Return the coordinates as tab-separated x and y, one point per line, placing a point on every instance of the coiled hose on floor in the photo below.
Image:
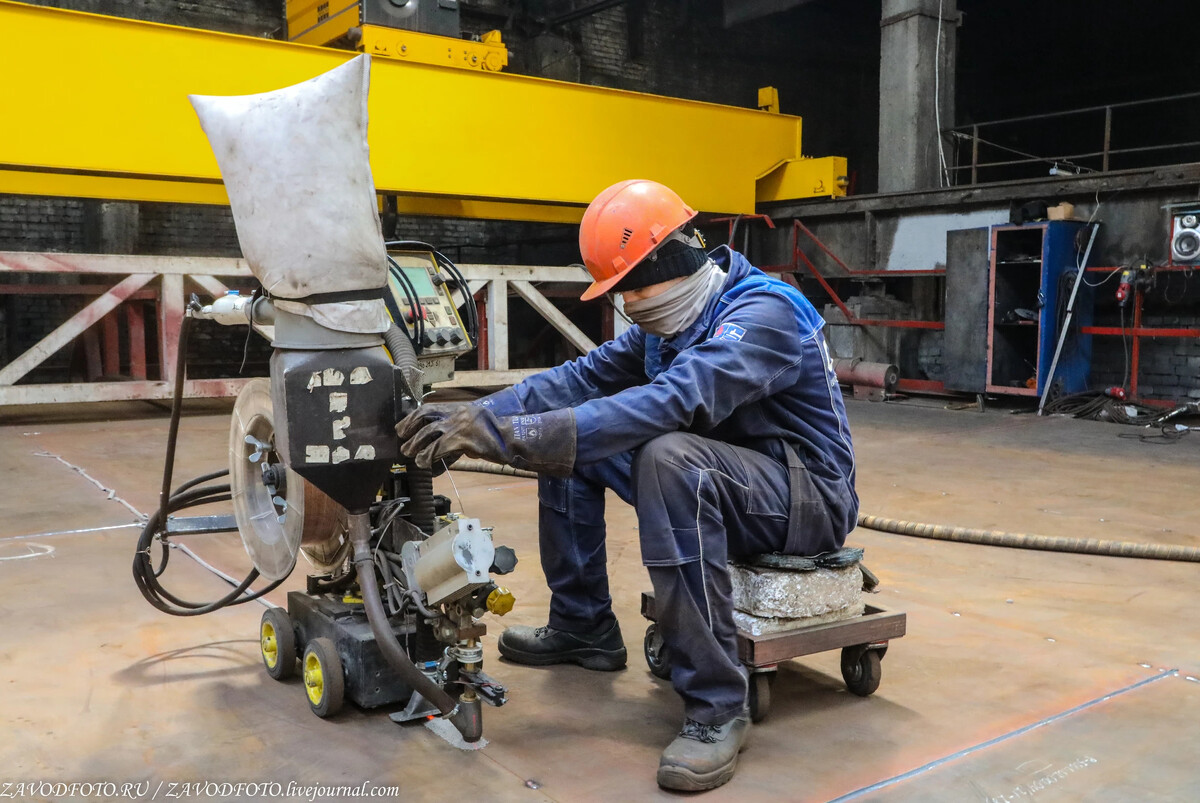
962	535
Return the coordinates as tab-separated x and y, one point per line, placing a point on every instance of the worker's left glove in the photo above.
544	443
427	413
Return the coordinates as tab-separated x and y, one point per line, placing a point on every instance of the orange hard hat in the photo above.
623	225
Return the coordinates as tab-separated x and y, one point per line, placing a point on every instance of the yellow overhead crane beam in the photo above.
96	107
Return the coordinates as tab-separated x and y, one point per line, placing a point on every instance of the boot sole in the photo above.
684	780
590	658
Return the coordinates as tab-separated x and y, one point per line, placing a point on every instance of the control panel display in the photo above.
421	302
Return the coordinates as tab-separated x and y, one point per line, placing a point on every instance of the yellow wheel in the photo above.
323	679
277	643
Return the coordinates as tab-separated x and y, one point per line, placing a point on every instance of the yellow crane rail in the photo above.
97	107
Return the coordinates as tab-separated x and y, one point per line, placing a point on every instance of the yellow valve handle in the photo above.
501	601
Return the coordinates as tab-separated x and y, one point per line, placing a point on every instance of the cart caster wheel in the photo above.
323	679
658	655
277	643
862	670
760	695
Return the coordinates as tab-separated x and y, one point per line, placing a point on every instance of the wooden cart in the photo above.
863	641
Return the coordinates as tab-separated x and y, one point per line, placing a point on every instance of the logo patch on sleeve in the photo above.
729	331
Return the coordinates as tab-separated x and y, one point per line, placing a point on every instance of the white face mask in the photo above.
676	308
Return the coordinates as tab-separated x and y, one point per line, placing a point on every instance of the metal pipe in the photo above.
974	154
393	653
1107	137
867	374
1085	109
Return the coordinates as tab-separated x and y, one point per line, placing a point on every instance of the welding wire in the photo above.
71	532
1086	546
454	485
185	550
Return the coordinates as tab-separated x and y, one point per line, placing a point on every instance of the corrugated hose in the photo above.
1049	543
962	535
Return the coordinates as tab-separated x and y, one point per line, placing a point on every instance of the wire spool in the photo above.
277	520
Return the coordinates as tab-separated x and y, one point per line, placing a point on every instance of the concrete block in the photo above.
794	595
765	625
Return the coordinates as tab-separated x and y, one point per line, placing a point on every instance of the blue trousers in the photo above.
700	503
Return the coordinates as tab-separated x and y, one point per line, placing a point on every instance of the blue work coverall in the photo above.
729	439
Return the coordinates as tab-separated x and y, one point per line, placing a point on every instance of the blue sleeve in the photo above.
759	355
608	369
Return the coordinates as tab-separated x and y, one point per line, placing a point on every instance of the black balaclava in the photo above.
672	260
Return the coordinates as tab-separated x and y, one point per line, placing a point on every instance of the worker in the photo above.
717	416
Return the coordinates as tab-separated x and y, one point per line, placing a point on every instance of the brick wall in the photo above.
248	17
41	224
187	230
1168	368
38	224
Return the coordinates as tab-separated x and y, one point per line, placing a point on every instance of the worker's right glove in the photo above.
544	443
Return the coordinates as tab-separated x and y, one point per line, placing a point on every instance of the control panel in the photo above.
422	300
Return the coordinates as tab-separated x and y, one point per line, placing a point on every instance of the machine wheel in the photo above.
760	695
277	643
323	679
658	655
862	670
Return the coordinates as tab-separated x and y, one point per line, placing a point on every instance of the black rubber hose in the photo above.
185	329
1085	546
389	645
145	576
414	302
420	481
420	495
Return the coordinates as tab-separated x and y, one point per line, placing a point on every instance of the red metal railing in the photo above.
800	258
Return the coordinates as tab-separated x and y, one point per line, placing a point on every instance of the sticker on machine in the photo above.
729	331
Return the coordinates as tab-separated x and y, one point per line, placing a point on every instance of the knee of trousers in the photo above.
667	487
665	461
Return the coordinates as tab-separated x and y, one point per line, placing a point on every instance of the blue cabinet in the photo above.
1032	270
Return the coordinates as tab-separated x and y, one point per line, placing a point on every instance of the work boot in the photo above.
601	649
703	756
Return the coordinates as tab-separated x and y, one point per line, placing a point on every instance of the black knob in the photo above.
455	337
426	340
441	339
505	560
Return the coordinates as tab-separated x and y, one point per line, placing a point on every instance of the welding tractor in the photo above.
361	330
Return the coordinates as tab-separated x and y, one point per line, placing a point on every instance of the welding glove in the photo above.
544	443
427	414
